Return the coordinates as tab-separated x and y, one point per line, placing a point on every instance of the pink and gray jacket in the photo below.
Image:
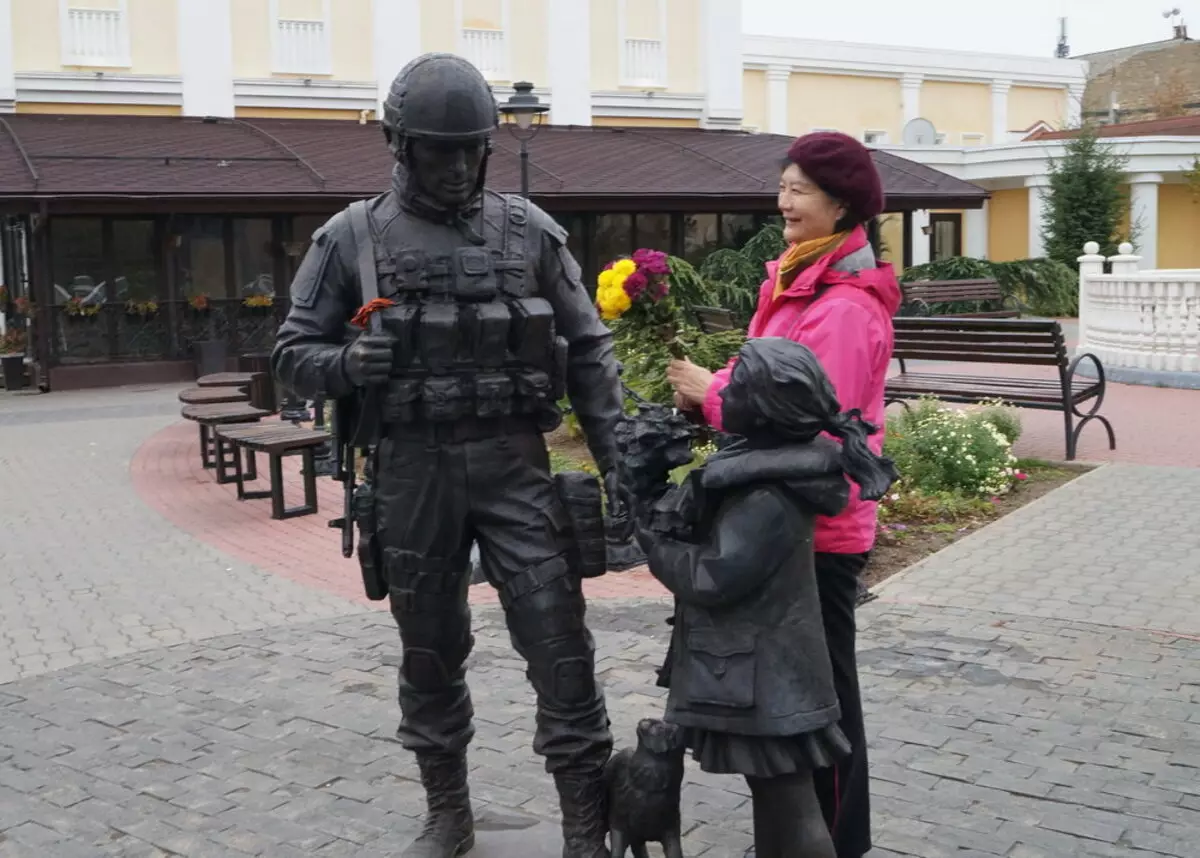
841	307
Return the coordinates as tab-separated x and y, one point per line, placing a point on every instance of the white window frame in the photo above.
974	135
124	60
823	130
506	75
940	138
881	137
663	23
326	37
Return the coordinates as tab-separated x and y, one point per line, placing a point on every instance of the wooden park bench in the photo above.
713	320
258	386
275	440
219	414
998	341
923	297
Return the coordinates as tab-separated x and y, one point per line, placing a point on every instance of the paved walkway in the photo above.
1003	723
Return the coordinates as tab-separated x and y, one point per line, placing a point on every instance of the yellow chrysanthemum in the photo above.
612	302
606	278
625	267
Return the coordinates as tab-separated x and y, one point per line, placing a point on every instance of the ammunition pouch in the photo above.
581	499
370	556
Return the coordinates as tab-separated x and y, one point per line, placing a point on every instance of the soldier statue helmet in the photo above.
475	323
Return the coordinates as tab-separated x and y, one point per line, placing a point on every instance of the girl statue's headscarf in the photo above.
779	392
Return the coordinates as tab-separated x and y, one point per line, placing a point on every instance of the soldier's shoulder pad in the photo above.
334	230
539	219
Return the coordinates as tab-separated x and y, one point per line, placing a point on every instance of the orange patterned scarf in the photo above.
802	254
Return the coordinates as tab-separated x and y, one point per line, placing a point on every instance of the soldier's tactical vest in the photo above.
473	338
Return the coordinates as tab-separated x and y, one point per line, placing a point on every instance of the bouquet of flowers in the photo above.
637	291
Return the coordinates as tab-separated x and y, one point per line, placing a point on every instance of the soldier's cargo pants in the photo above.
433	499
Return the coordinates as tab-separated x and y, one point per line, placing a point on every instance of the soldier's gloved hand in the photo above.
369	360
621	503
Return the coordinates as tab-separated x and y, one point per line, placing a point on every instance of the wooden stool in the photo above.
226	379
212	395
220	414
276	441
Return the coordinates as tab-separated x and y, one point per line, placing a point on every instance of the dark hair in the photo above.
847	221
786	392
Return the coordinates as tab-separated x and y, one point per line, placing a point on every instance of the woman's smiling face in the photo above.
808	212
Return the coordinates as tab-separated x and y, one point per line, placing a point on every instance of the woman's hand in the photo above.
691	382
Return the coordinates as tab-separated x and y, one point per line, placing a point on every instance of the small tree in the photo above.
1084	201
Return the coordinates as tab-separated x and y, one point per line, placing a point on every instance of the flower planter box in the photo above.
13	369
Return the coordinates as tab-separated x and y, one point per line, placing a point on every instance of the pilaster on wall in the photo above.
8	70
777	99
976	226
721	44
569	62
397	41
919	247
1000	90
1143	215
1038	188
206	57
910	92
1074	112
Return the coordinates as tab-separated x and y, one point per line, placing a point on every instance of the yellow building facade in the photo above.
611	62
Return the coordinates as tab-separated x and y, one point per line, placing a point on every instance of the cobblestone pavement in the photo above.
992	735
88	571
208	707
1118	546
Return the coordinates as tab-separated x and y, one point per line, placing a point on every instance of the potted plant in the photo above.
209	353
259	303
12	358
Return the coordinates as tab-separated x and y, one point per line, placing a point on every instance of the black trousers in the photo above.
432	501
845	790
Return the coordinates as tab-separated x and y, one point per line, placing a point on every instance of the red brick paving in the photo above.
167	475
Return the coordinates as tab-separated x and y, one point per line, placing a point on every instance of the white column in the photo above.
396	41
721	28
8	71
778	121
976	226
206	57
1074	112
910	94
1000	128
1038	186
569	63
919	249
1143	215
1090	264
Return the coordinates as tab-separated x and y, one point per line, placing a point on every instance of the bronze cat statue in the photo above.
644	785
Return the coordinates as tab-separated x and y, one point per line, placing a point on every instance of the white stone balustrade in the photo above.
1139	322
487	51
644	63
302	47
95	37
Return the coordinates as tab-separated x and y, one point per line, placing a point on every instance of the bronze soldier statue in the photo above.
476	322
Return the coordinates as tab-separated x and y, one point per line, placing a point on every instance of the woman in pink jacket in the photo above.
830	293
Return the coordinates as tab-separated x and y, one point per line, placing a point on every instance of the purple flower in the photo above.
653	262
635	284
659	289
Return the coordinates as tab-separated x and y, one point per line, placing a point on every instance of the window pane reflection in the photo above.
737	229
202	257
653	231
253	259
613	238
701	236
137	278
77	251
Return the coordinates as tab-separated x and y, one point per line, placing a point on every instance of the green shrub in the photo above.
942	449
1043	287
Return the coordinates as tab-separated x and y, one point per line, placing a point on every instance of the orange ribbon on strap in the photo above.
363	316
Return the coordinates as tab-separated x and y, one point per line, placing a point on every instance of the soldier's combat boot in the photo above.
582	799
449	830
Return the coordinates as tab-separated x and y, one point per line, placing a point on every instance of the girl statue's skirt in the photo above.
767	756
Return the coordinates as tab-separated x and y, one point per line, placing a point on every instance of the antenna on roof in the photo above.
1063	50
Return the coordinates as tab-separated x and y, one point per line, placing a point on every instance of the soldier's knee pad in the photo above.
424	670
563	672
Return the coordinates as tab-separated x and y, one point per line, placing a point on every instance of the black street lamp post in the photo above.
524	110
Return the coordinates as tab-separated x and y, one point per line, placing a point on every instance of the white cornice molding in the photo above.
1017	162
98	88
660	105
304	93
852	58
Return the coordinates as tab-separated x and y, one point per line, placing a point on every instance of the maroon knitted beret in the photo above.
841	167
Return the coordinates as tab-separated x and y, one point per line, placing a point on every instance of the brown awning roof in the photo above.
174	158
1176	126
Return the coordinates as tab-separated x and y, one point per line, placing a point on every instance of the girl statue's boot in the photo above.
449	830
582	798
